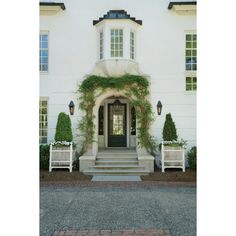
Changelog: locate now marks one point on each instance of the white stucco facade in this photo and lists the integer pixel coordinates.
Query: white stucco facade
(73, 53)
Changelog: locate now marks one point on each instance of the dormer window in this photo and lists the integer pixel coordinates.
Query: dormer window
(117, 35)
(116, 43)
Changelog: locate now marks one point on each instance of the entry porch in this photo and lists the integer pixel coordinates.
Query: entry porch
(115, 149)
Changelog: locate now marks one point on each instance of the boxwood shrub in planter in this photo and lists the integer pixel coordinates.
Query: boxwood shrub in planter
(63, 128)
(169, 132)
(60, 149)
(172, 149)
(192, 158)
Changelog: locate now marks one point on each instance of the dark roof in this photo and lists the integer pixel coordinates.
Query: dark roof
(171, 4)
(61, 4)
(117, 14)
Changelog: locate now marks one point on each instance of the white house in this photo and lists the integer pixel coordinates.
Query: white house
(112, 38)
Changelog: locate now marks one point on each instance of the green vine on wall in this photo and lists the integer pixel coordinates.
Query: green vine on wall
(135, 88)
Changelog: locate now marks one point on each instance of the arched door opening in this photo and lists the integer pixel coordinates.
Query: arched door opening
(116, 123)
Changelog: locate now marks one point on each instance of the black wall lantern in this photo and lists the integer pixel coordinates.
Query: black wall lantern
(71, 107)
(117, 105)
(159, 107)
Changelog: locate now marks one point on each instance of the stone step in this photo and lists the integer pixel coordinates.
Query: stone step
(116, 162)
(119, 159)
(110, 159)
(116, 167)
(116, 155)
(116, 172)
(116, 178)
(117, 150)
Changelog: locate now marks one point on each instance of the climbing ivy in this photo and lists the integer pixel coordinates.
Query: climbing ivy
(135, 87)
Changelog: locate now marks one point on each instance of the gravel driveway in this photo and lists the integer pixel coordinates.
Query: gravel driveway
(118, 207)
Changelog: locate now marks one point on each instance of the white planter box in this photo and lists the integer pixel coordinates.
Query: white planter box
(172, 157)
(60, 157)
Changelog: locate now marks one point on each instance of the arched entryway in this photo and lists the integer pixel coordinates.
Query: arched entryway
(115, 122)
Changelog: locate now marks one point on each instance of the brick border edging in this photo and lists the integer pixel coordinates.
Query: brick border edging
(120, 184)
(107, 232)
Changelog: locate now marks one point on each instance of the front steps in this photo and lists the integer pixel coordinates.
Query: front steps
(116, 162)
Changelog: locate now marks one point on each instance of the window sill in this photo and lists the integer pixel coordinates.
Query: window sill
(43, 72)
(190, 92)
(190, 73)
(116, 58)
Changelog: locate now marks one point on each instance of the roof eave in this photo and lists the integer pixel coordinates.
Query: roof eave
(139, 22)
(171, 4)
(52, 4)
(117, 15)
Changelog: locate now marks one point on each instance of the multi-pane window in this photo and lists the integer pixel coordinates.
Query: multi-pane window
(101, 44)
(43, 121)
(191, 83)
(190, 61)
(118, 127)
(133, 121)
(132, 45)
(101, 120)
(116, 43)
(191, 52)
(43, 52)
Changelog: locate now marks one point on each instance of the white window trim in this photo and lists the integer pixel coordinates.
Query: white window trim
(190, 92)
(134, 52)
(123, 42)
(46, 32)
(189, 73)
(190, 49)
(45, 99)
(190, 84)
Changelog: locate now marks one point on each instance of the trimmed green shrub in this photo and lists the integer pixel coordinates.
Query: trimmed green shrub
(169, 132)
(44, 156)
(192, 158)
(63, 128)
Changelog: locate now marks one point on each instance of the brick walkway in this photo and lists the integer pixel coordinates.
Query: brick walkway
(136, 232)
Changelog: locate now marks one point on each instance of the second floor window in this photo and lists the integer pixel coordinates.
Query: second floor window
(191, 62)
(191, 52)
(116, 43)
(43, 52)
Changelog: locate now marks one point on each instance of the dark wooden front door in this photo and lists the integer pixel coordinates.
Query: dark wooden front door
(117, 126)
